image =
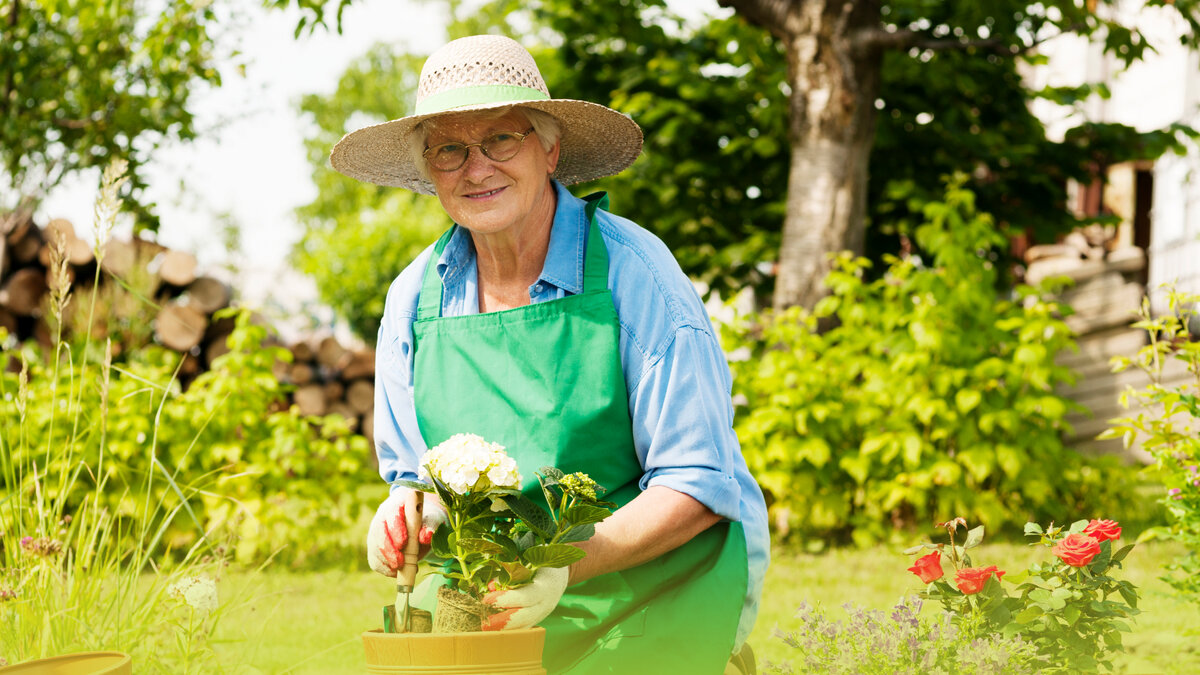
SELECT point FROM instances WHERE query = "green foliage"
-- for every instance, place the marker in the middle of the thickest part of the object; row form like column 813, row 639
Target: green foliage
column 898, row 642
column 498, row 537
column 358, row 236
column 83, row 560
column 1071, row 609
column 1167, row 422
column 280, row 481
column 713, row 99
column 712, row 179
column 928, row 396
column 85, row 81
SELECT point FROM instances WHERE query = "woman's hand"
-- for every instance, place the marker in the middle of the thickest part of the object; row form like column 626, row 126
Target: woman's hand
column 388, row 533
column 526, row 606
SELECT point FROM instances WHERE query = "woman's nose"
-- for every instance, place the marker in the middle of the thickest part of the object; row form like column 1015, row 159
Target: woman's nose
column 478, row 165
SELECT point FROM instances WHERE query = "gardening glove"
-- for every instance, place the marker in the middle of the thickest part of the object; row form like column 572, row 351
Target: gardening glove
column 388, row 533
column 526, row 606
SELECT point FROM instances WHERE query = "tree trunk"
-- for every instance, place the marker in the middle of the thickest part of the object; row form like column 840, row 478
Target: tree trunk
column 834, row 81
column 831, row 131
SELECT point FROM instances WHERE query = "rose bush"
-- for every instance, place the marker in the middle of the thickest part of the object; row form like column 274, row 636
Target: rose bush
column 1071, row 609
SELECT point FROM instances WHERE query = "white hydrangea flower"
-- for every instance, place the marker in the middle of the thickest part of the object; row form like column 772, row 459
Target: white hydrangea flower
column 466, row 462
column 198, row 592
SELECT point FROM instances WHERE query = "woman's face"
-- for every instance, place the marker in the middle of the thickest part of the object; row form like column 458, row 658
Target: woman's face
column 490, row 197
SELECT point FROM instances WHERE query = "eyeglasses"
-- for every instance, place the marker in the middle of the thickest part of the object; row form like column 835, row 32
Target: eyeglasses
column 499, row 147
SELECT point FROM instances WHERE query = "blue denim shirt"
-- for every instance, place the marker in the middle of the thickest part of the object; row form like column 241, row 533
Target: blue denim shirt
column 675, row 372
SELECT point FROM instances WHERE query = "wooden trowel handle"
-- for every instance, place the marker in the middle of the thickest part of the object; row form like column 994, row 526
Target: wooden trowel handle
column 413, row 507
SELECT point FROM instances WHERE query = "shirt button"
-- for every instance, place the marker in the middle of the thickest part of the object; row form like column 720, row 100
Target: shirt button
column 537, row 288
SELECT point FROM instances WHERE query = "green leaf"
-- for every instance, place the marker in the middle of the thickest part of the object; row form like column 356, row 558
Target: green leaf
column 581, row 514
column 1128, row 593
column 552, row 497
column 578, row 533
column 966, row 400
column 440, row 546
column 552, row 475
column 552, row 555
column 532, row 515
column 1028, row 614
column 483, row 546
column 444, row 493
column 525, row 540
column 1033, row 529
column 415, row 485
column 974, row 537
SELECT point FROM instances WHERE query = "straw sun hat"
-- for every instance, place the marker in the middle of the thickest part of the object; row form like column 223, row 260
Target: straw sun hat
column 485, row 72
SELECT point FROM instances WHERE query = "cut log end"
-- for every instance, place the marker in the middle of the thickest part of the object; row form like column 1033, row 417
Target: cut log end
column 180, row 327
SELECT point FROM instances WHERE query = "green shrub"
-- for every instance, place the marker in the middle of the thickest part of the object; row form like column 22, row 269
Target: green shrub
column 929, row 398
column 1168, row 422
column 283, row 482
column 81, row 565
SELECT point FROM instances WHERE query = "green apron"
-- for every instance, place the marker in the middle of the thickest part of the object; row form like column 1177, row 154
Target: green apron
column 545, row 381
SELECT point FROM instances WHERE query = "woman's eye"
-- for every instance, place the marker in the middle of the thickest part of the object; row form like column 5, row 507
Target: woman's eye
column 449, row 148
column 500, row 138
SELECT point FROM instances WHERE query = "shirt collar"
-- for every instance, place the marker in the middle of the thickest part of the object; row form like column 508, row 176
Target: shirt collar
column 564, row 256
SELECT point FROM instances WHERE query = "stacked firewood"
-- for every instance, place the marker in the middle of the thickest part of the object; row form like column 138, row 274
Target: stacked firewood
column 331, row 379
column 146, row 293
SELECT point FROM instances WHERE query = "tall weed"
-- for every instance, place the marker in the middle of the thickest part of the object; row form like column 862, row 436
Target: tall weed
column 82, row 561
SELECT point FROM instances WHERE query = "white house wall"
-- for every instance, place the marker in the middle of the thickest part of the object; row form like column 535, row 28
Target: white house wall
column 1159, row 91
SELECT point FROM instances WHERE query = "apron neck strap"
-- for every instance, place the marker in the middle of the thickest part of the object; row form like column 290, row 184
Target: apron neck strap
column 429, row 303
column 595, row 266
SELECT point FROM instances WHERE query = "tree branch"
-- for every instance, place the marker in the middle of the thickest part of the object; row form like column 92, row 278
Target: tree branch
column 878, row 38
column 769, row 14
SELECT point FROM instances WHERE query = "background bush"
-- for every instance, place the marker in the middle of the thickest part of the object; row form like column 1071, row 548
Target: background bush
column 928, row 398
column 281, row 482
column 1165, row 416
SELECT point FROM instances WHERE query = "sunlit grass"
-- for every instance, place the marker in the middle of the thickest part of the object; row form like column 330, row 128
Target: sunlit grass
column 311, row 622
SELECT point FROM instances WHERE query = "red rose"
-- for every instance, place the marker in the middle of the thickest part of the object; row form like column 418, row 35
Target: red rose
column 1076, row 550
column 971, row 579
column 928, row 567
column 1103, row 530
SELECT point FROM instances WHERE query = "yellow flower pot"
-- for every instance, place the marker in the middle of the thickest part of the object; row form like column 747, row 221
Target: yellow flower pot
column 512, row 652
column 82, row 663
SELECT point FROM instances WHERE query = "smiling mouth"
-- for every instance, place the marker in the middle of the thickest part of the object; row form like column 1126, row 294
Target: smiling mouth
column 482, row 195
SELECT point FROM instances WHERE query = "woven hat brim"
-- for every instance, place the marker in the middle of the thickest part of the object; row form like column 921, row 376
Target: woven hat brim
column 596, row 141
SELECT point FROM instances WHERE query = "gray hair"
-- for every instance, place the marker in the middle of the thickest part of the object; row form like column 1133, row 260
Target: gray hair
column 545, row 125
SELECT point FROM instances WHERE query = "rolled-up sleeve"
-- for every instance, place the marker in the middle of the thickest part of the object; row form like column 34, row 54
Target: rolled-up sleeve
column 398, row 441
column 683, row 422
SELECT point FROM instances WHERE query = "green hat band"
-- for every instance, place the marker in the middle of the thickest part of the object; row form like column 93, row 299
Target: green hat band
column 483, row 94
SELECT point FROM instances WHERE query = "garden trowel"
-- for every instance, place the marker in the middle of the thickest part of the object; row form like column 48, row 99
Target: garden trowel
column 406, row 577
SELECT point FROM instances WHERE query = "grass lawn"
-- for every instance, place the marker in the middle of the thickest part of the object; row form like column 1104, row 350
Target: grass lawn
column 311, row 622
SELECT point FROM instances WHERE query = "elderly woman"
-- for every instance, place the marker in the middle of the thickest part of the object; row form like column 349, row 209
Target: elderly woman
column 571, row 336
